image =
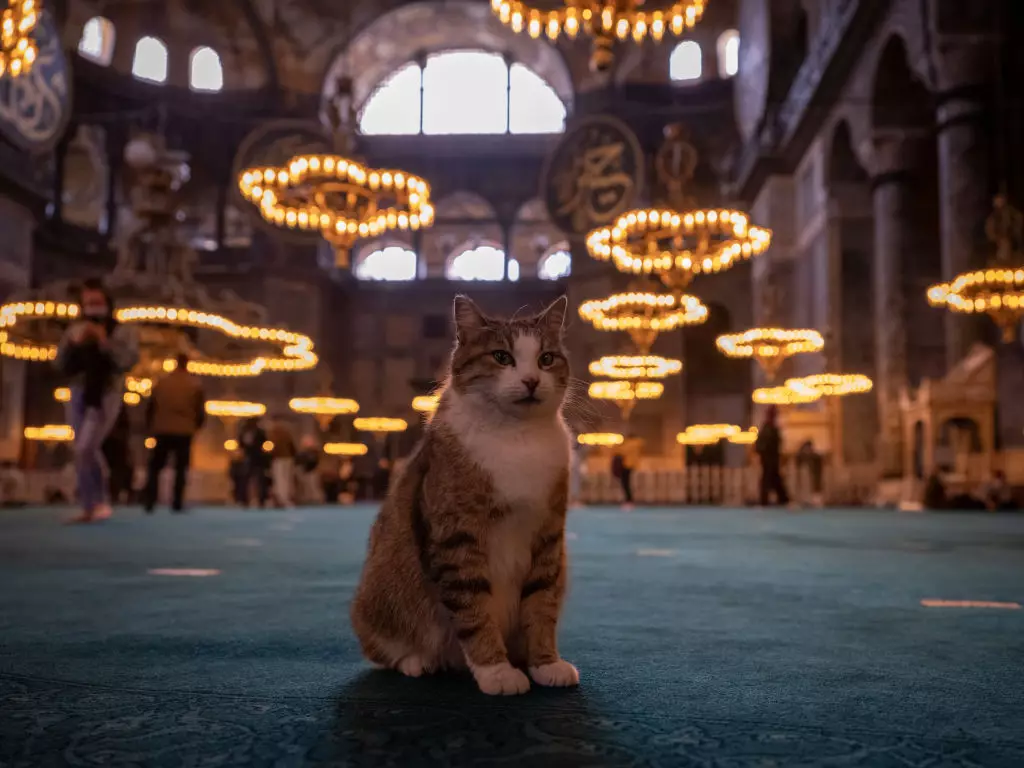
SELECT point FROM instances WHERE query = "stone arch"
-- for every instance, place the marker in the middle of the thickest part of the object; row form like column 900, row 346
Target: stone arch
column 533, row 236
column 404, row 34
column 900, row 101
column 461, row 217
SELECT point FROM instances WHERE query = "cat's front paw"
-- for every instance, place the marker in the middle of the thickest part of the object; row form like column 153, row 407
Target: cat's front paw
column 558, row 674
column 501, row 680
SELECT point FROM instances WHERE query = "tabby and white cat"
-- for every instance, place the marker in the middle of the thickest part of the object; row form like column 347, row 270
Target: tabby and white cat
column 466, row 563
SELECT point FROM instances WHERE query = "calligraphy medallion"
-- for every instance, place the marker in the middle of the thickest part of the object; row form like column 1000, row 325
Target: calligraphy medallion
column 593, row 176
column 35, row 107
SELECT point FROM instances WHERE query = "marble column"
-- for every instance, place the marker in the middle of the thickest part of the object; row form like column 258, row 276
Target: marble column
column 16, row 225
column 965, row 183
column 893, row 205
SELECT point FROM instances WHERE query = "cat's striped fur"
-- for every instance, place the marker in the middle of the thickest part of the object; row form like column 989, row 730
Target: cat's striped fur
column 466, row 563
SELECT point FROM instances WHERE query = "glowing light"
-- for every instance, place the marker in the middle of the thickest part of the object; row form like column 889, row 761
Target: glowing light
column 747, row 437
column 18, row 49
column 997, row 292
column 786, row 395
column 380, row 424
column 635, row 367
column 345, row 449
column 643, row 315
column 323, row 406
column 833, row 384
column 150, row 443
column 707, row 434
column 770, row 346
column 425, row 403
column 235, row 408
column 626, row 390
column 50, row 433
column 678, row 246
column 602, row 19
column 62, row 394
column 268, row 446
column 231, row 445
column 297, row 352
column 338, row 198
column 600, row 438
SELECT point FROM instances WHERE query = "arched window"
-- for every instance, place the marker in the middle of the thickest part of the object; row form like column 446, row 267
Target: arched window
column 485, row 262
column 728, row 53
column 513, row 270
column 97, row 43
column 393, row 262
column 205, row 70
column 463, row 92
column 150, row 61
column 685, row 62
column 555, row 265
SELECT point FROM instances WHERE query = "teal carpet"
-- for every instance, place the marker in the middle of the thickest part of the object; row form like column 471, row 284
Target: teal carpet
column 705, row 637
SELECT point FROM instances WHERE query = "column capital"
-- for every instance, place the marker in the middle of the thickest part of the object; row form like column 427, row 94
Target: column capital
column 895, row 154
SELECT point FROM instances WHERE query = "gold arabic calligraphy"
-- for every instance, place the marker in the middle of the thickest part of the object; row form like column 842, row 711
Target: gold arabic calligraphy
column 592, row 188
column 33, row 105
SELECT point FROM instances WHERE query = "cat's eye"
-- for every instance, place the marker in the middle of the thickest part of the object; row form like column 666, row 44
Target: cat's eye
column 546, row 360
column 503, row 357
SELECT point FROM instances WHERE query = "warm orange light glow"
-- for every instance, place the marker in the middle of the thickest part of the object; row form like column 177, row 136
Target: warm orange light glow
column 635, row 367
column 997, row 292
column 51, row 433
column 18, row 47
column 346, row 449
column 748, row 437
column 231, row 445
column 770, row 346
column 600, row 438
column 677, row 245
column 425, row 403
column 626, row 390
column 323, row 406
column 62, row 394
column 933, row 603
column 150, row 443
column 707, row 434
column 798, row 394
column 380, row 424
column 296, row 350
column 234, row 408
column 268, row 446
column 833, row 384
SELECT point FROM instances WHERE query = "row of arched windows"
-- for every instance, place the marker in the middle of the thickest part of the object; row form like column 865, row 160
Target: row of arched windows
column 687, row 60
column 205, row 72
column 453, row 92
column 481, row 262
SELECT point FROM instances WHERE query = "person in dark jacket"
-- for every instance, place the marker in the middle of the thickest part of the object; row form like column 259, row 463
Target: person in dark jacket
column 95, row 353
column 177, row 409
column 769, row 449
column 251, row 439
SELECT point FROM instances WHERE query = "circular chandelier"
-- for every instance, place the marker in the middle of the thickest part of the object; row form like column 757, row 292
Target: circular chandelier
column 325, row 409
column 50, row 433
column 999, row 293
column 345, row 449
column 797, row 394
column 833, row 384
column 635, row 367
column 604, row 20
column 340, row 198
column 380, row 425
column 643, row 314
column 18, row 50
column 625, row 393
column 600, row 438
column 295, row 351
column 707, row 434
column 746, row 437
column 770, row 346
column 678, row 246
column 235, row 409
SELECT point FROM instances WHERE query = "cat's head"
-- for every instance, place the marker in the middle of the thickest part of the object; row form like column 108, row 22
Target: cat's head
column 517, row 366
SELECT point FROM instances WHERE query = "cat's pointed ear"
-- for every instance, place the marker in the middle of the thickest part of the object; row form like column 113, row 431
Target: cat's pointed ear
column 469, row 320
column 552, row 319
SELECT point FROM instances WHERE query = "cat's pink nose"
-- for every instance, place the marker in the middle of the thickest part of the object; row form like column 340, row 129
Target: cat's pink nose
column 531, row 383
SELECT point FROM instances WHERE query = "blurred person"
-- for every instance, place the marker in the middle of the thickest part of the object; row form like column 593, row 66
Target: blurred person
column 251, row 437
column 329, row 471
column 118, row 455
column 347, row 483
column 769, row 448
column 629, row 459
column 381, row 478
column 282, row 463
column 997, row 494
column 237, row 476
column 307, row 462
column 175, row 412
column 95, row 352
column 809, row 458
